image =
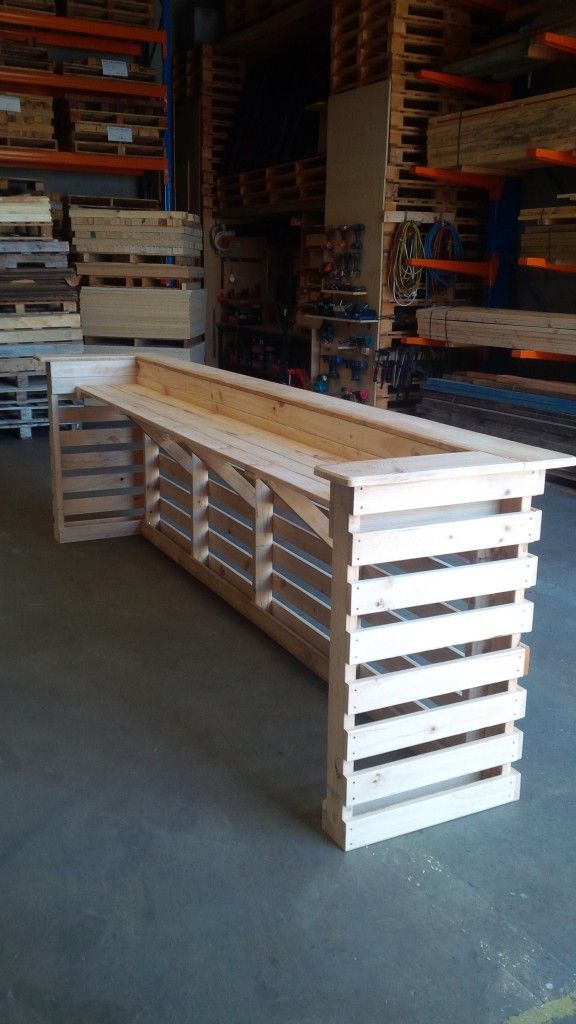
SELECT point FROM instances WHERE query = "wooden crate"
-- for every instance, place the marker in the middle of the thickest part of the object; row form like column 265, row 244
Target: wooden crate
column 399, row 575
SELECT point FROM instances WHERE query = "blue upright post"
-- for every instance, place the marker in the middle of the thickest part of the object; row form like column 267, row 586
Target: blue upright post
column 167, row 81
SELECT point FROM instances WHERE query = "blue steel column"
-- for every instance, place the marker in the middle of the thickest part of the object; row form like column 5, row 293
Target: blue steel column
column 167, row 72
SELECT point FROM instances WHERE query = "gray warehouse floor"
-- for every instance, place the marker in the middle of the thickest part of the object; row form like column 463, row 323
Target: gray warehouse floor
column 162, row 770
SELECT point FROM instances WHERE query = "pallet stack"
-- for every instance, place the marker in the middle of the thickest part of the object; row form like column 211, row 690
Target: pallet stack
column 129, row 12
column 300, row 183
column 41, row 6
column 119, row 125
column 373, row 40
column 38, row 308
column 142, row 275
column 27, row 121
column 207, row 87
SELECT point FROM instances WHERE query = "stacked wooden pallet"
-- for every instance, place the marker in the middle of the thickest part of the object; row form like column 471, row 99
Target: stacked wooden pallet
column 147, row 249
column 42, row 6
column 499, row 328
column 20, row 55
column 26, row 121
column 209, row 86
column 23, row 397
column 130, row 12
column 549, row 232
column 501, row 135
column 299, row 184
column 241, row 13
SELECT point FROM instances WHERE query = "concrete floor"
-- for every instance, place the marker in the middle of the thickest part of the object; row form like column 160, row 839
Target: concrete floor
column 161, row 779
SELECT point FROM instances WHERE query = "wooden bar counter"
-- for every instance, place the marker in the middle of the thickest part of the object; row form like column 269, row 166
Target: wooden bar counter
column 387, row 553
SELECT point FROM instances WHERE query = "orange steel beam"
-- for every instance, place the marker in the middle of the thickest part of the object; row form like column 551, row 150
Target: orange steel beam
column 81, row 26
column 72, row 42
column 552, row 156
column 496, row 90
column 486, row 269
column 553, row 357
column 540, row 263
column 493, row 183
column 426, row 342
column 566, row 44
column 49, row 84
column 97, row 163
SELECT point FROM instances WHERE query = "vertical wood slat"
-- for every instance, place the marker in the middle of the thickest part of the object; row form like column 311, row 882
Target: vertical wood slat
column 263, row 545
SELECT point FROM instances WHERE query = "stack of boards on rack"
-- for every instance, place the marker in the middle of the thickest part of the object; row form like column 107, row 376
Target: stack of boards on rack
column 141, row 274
column 38, row 308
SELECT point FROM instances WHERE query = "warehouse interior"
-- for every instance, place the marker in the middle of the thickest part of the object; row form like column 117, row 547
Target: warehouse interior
column 285, row 291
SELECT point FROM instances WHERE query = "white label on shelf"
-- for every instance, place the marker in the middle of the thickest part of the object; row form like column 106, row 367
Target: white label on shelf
column 116, row 68
column 11, row 103
column 118, row 133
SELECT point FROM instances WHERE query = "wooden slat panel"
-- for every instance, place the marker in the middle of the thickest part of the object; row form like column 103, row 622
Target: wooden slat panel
column 105, row 435
column 302, row 599
column 102, row 460
column 175, row 536
column 90, row 414
column 494, row 487
column 230, row 552
column 445, row 538
column 382, row 691
column 230, row 526
column 417, row 635
column 302, row 538
column 109, row 503
column 169, row 468
column 300, row 626
column 175, row 494
column 228, row 573
column 413, row 589
column 228, row 499
column 101, row 482
column 309, row 574
column 412, row 815
column 410, row 730
column 437, row 766
column 172, row 514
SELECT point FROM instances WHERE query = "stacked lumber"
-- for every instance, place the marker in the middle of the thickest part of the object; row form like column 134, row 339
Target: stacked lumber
column 129, row 12
column 529, row 411
column 209, row 87
column 144, row 313
column 26, row 121
column 499, row 328
column 501, row 135
column 549, row 232
column 124, row 256
column 23, row 56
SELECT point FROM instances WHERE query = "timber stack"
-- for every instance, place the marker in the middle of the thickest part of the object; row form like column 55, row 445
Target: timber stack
column 549, row 232
column 499, row 328
column 38, row 308
column 142, row 275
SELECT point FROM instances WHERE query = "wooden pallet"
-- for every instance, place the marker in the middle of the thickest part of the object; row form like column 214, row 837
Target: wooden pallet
column 398, row 576
column 111, row 202
column 130, row 12
column 138, row 271
column 137, row 148
column 42, row 6
column 32, row 58
column 301, row 182
column 92, row 66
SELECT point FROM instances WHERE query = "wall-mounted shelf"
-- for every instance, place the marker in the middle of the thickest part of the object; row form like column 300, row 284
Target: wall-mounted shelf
column 552, row 156
column 565, row 44
column 492, row 183
column 464, row 83
column 540, row 263
column 485, row 269
column 95, row 163
column 46, row 83
column 71, row 42
column 61, row 30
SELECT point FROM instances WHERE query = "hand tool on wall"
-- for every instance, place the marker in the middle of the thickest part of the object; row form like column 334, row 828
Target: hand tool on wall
column 356, row 367
column 333, row 362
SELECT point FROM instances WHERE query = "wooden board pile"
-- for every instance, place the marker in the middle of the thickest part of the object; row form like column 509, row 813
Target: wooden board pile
column 121, row 125
column 130, row 12
column 529, row 411
column 26, row 121
column 501, row 135
column 20, row 55
column 208, row 88
column 499, row 328
column 128, row 248
column 549, row 232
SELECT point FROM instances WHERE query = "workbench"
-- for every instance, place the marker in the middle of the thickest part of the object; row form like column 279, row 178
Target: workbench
column 387, row 553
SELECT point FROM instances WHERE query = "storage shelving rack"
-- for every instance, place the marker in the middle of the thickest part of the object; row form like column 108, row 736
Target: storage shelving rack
column 95, row 36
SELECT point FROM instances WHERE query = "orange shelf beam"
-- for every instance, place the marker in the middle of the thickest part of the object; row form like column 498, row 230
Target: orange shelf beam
column 486, row 269
column 463, row 83
column 71, row 41
column 566, row 44
column 48, row 84
column 425, row 342
column 553, row 357
column 95, row 163
column 493, row 183
column 539, row 263
column 80, row 26
column 553, row 156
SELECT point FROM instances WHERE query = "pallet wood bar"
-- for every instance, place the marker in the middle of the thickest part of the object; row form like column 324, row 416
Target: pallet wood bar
column 499, row 328
column 397, row 575
column 501, row 135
